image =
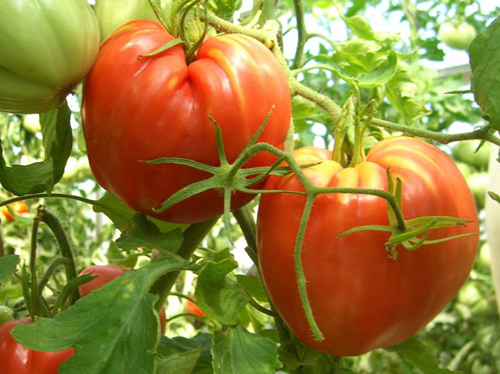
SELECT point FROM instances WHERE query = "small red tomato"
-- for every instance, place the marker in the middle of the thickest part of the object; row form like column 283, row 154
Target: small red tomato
column 103, row 273
column 194, row 309
column 18, row 207
column 17, row 359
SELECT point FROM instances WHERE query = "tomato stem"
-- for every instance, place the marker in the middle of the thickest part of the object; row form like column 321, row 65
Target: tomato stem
column 64, row 246
column 193, row 236
column 299, row 269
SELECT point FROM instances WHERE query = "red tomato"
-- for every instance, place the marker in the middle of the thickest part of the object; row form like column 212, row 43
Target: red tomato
column 194, row 309
column 360, row 297
column 137, row 109
column 18, row 207
column 16, row 359
column 105, row 274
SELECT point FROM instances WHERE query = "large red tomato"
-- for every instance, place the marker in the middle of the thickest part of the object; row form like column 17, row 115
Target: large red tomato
column 16, row 359
column 137, row 109
column 362, row 298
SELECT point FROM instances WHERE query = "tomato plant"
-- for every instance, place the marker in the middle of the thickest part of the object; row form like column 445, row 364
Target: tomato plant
column 18, row 207
column 104, row 274
column 457, row 35
column 138, row 108
column 20, row 360
column 48, row 46
column 362, row 298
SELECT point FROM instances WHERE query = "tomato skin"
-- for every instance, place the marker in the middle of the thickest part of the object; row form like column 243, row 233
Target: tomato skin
column 47, row 46
column 17, row 359
column 194, row 309
column 138, row 109
column 103, row 273
column 361, row 298
column 19, row 207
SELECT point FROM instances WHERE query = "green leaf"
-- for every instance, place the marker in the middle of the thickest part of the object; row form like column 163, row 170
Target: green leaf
column 217, row 294
column 183, row 353
column 8, row 265
column 420, row 356
column 253, row 285
column 237, row 351
column 484, row 54
column 122, row 216
column 144, row 233
column 382, row 74
column 114, row 329
column 402, row 91
column 43, row 175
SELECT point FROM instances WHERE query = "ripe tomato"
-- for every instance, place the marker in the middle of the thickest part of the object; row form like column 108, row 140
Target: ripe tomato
column 360, row 297
column 105, row 274
column 137, row 109
column 194, row 309
column 15, row 358
column 47, row 47
column 18, row 207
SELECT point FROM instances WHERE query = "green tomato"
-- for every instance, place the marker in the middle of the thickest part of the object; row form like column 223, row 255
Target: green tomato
column 478, row 183
column 47, row 46
column 457, row 35
column 111, row 14
column 6, row 314
column 467, row 151
column 31, row 123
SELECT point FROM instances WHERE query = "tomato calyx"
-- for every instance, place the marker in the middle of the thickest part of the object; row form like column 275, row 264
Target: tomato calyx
column 415, row 232
column 228, row 177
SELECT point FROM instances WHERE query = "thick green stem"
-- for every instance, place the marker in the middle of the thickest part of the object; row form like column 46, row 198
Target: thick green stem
column 299, row 269
column 64, row 246
column 193, row 236
column 298, row 60
column 246, row 221
column 35, row 302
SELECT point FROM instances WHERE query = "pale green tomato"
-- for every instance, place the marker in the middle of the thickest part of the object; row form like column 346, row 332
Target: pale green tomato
column 111, row 14
column 47, row 47
column 31, row 122
column 457, row 35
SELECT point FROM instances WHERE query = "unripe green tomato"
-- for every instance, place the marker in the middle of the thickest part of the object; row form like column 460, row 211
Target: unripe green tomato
column 478, row 183
column 465, row 151
column 47, row 47
column 6, row 314
column 457, row 35
column 111, row 14
column 31, row 123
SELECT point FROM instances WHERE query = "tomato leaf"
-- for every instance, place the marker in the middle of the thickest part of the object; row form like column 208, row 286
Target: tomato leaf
column 179, row 353
column 237, row 351
column 402, row 91
column 8, row 265
column 420, row 356
column 41, row 176
column 144, row 233
column 114, row 329
column 254, row 286
column 484, row 54
column 217, row 294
